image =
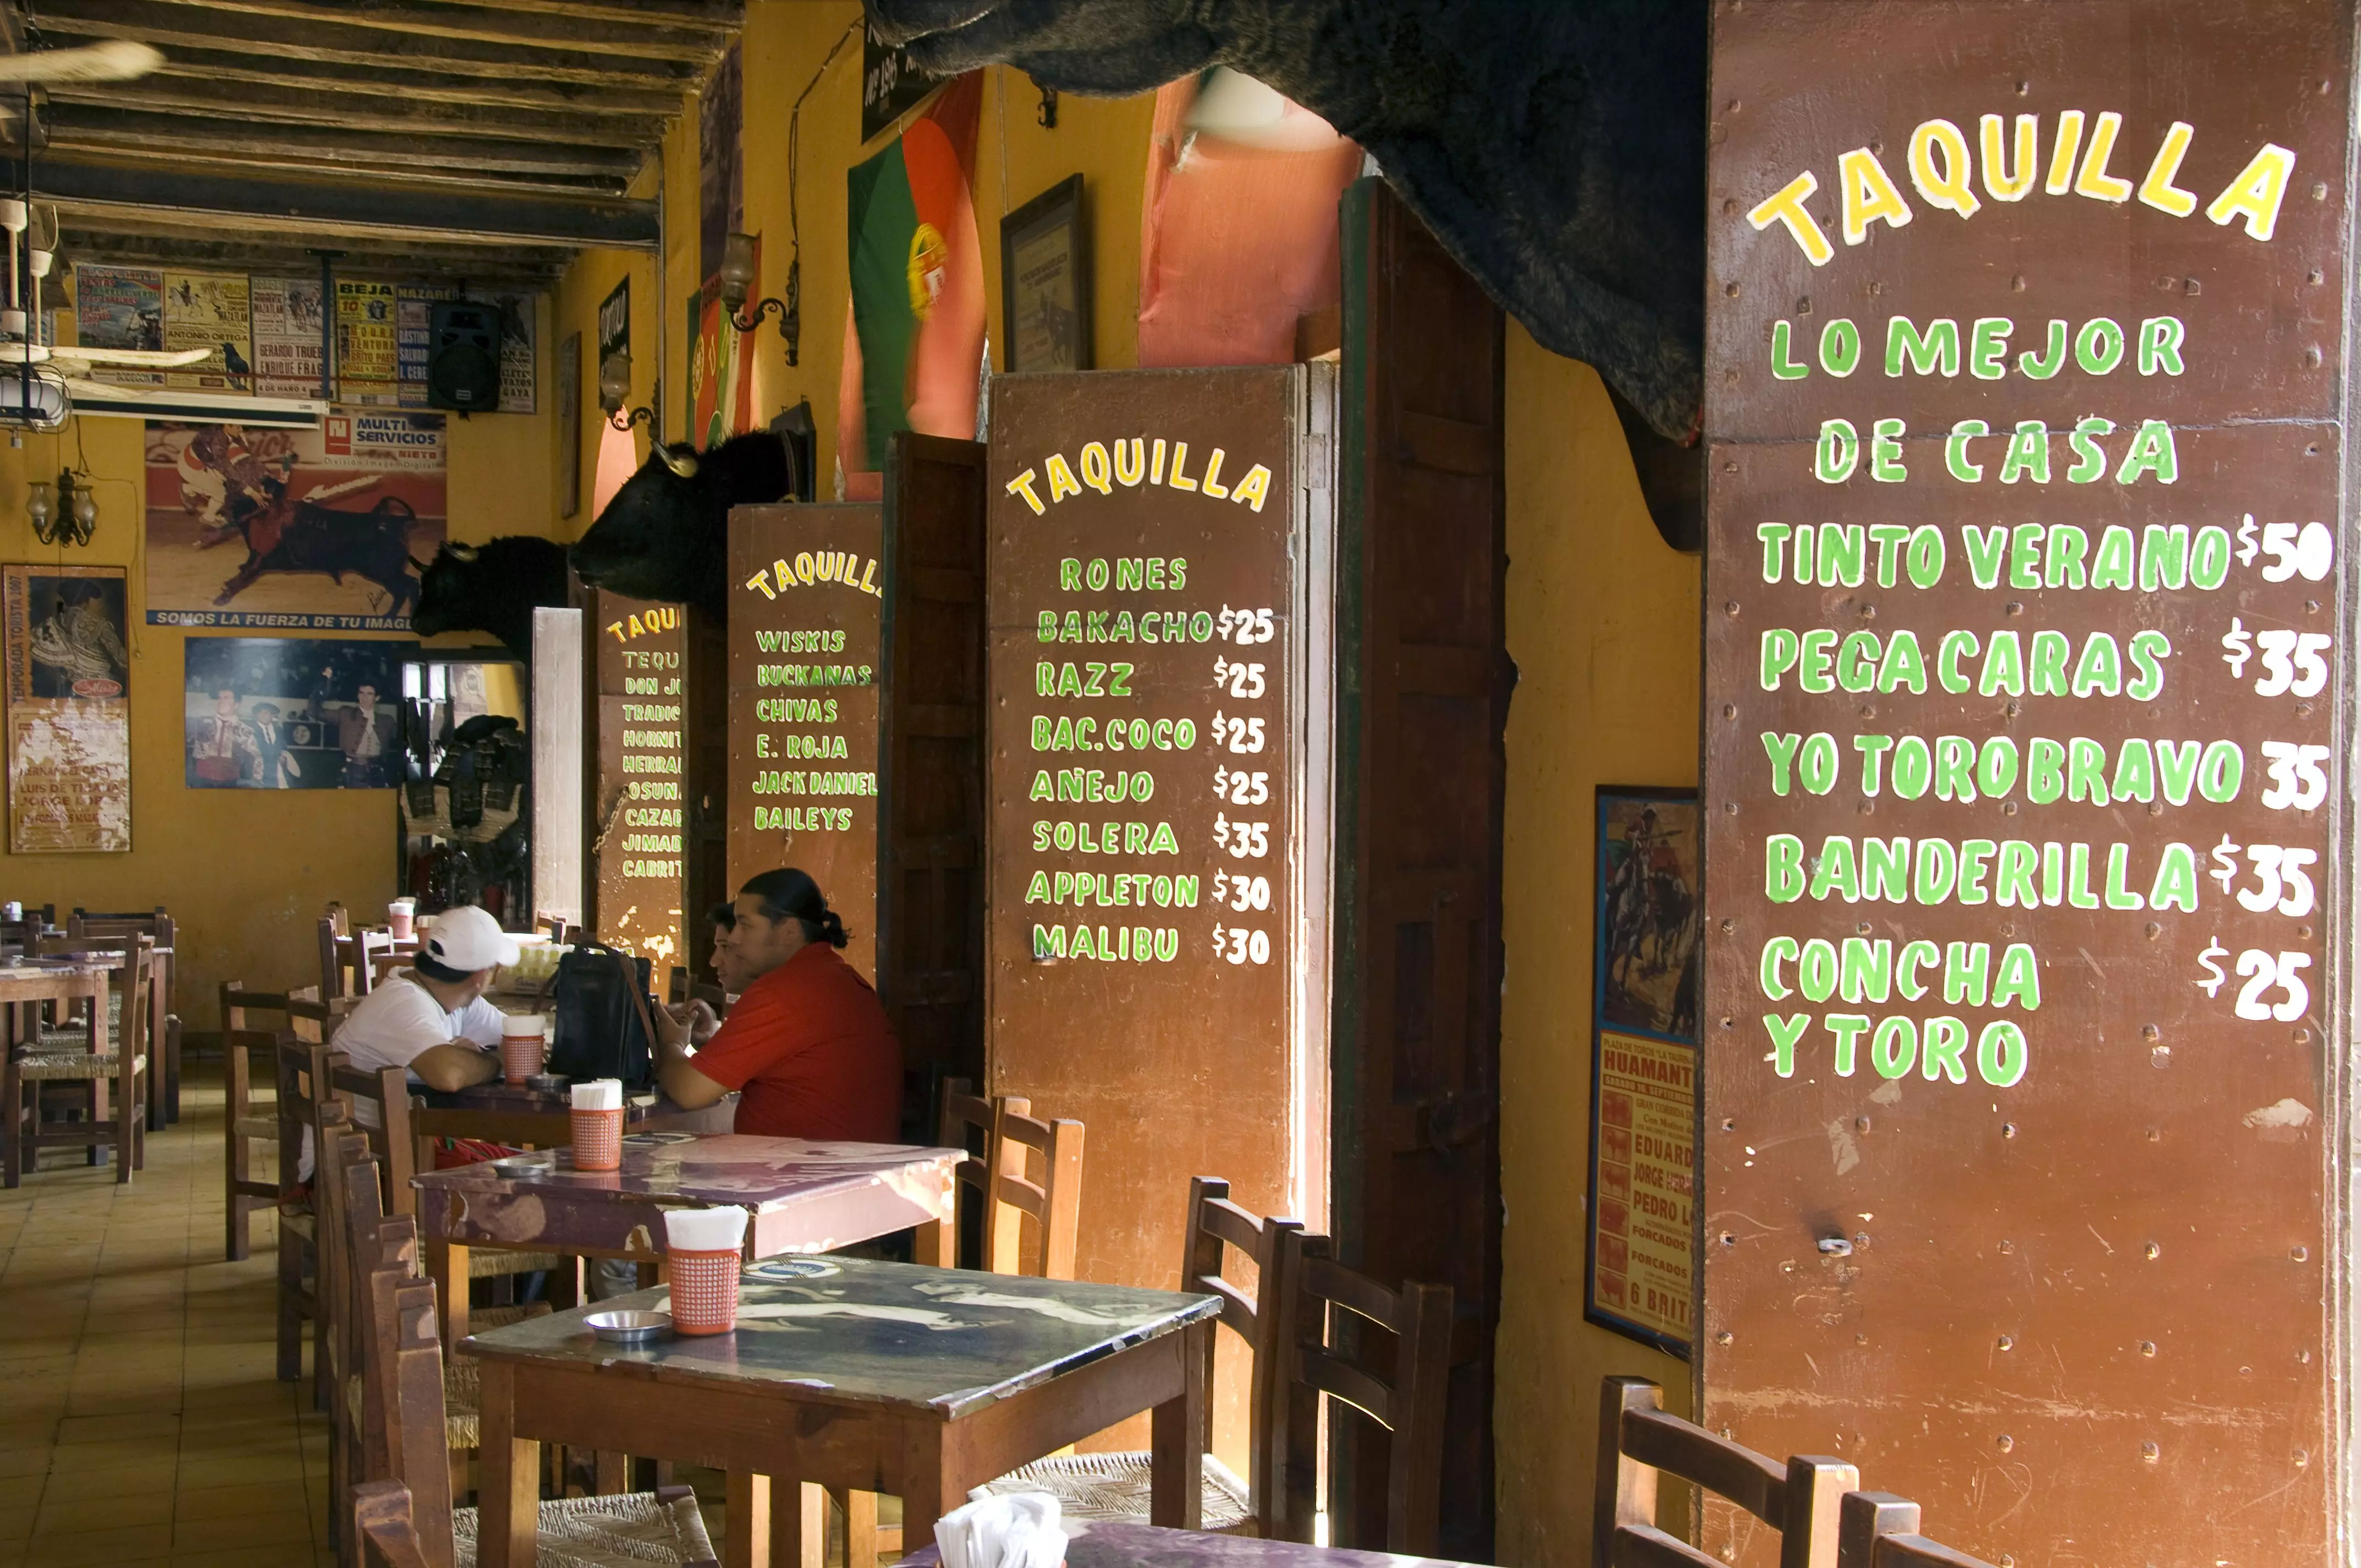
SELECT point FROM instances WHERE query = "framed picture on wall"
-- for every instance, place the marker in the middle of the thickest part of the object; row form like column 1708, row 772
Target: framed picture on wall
column 1045, row 281
column 569, row 426
column 68, row 708
column 1640, row 1230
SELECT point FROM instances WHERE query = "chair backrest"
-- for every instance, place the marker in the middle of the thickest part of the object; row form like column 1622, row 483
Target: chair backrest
column 385, row 1091
column 554, row 924
column 1878, row 1529
column 155, row 924
column 238, row 1000
column 332, row 960
column 966, row 1125
column 338, row 1159
column 127, row 984
column 1326, row 1358
column 1637, row 1439
column 337, row 919
column 303, row 1073
column 1216, row 1225
column 314, row 1021
column 405, row 1368
column 1051, row 1202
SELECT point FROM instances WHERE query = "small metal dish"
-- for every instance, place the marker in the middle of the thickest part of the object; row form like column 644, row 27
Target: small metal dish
column 636, row 1326
column 524, row 1164
column 645, row 1140
column 545, row 1082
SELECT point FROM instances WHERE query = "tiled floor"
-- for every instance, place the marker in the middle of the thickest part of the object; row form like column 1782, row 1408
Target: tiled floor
column 139, row 1418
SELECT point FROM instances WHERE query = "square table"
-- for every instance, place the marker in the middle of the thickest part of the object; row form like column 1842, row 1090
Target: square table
column 1108, row 1543
column 892, row 1378
column 523, row 1117
column 800, row 1195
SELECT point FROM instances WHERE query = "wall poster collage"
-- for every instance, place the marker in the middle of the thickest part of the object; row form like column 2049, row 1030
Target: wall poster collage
column 1640, row 1254
column 266, row 333
column 68, row 708
column 297, row 530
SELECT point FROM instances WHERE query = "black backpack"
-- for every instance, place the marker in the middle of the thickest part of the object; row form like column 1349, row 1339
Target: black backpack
column 604, row 1027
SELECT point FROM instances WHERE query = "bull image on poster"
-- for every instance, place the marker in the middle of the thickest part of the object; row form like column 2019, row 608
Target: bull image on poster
column 317, row 529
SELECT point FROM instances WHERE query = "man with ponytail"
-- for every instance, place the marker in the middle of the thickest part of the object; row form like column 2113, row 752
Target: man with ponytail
column 807, row 1042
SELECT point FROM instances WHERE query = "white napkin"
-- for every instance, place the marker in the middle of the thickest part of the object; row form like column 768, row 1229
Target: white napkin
column 722, row 1229
column 1018, row 1530
column 600, row 1094
column 532, row 1027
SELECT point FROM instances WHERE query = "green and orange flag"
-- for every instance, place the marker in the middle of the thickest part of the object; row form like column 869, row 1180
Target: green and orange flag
column 915, row 347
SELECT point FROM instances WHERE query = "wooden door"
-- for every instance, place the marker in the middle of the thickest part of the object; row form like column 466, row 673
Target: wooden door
column 932, row 762
column 705, row 878
column 1424, row 677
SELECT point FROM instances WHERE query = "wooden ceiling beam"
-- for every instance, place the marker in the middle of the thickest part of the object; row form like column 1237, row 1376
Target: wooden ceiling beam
column 381, row 174
column 657, row 102
column 274, row 105
column 478, row 267
column 141, row 131
column 348, row 207
column 644, row 37
column 725, row 17
column 170, row 26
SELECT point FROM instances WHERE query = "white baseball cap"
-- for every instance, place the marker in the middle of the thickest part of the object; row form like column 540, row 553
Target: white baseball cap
column 469, row 939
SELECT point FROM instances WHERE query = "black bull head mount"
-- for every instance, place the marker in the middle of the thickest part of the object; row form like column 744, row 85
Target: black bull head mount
column 1556, row 147
column 664, row 536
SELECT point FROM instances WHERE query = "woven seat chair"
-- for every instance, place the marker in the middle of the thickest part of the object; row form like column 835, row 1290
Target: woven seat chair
column 1116, row 1486
column 249, row 1045
column 101, row 1055
column 408, row 1517
column 164, row 1031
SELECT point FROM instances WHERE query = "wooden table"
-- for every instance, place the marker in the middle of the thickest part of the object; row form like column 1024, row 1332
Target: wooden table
column 32, row 982
column 1094, row 1543
column 800, row 1197
column 531, row 1118
column 916, row 1382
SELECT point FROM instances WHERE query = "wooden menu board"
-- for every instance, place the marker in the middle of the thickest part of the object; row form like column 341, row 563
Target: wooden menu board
column 806, row 586
column 638, row 813
column 1147, row 674
column 2023, row 649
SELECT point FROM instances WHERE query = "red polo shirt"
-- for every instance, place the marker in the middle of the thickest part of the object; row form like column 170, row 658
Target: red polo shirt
column 810, row 1046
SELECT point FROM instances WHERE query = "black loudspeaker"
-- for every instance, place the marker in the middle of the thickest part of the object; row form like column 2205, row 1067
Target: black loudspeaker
column 463, row 356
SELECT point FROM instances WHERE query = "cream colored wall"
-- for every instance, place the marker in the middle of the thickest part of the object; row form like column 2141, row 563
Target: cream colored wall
column 1603, row 627
column 244, row 873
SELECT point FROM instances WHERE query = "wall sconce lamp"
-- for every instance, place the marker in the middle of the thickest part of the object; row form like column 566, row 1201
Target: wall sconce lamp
column 66, row 513
column 615, row 390
column 737, row 277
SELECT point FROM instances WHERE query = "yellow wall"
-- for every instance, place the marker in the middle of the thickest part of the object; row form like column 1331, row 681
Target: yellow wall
column 1602, row 623
column 1603, row 627
column 1105, row 141
column 244, row 874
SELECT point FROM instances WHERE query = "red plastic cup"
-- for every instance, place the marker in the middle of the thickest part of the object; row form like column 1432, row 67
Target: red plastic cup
column 599, row 1140
column 521, row 1049
column 703, row 1291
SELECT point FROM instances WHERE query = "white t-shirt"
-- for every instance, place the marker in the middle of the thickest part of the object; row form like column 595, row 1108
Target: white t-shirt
column 400, row 1021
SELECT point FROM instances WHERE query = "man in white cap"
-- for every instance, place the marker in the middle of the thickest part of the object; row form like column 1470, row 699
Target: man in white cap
column 432, row 1017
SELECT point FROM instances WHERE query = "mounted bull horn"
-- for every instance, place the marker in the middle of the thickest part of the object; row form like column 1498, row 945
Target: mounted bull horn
column 423, row 566
column 683, row 463
column 461, row 552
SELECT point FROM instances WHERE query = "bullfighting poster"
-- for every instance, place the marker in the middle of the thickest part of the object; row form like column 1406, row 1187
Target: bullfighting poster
column 213, row 311
column 286, row 321
column 288, row 713
column 306, row 529
column 69, row 710
column 1641, row 1277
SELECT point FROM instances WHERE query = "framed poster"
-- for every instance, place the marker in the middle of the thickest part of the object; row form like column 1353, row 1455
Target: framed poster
column 1045, row 281
column 292, row 713
column 69, row 710
column 569, row 425
column 1640, row 1253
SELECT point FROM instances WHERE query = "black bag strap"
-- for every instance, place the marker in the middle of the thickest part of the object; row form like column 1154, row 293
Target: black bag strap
column 639, row 996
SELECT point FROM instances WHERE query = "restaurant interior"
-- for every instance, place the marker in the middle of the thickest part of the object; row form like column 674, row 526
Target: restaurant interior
column 625, row 477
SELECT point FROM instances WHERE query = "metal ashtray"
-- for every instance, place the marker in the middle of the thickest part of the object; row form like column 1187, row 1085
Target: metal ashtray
column 636, row 1326
column 645, row 1140
column 545, row 1082
column 525, row 1164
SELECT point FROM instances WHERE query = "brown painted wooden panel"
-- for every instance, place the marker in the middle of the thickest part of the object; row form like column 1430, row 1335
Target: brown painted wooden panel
column 2052, row 1260
column 930, row 910
column 1118, row 675
column 806, row 585
column 1424, row 669
column 637, row 806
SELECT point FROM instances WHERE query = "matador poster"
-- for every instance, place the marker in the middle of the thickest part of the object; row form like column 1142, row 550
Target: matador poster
column 68, row 708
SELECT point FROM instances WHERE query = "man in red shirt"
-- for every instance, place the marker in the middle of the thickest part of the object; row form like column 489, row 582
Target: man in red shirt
column 808, row 1042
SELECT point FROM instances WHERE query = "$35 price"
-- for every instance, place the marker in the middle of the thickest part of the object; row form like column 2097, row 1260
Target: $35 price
column 1244, row 841
column 2282, row 880
column 2294, row 663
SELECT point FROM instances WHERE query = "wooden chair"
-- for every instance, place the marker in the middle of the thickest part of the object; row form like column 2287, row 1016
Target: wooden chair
column 1638, row 1440
column 1051, row 1204
column 107, row 1064
column 1116, row 1486
column 314, row 1021
column 303, row 1074
column 1327, row 1359
column 247, row 1123
column 164, row 1033
column 1878, row 1529
column 966, row 1125
column 408, row 1518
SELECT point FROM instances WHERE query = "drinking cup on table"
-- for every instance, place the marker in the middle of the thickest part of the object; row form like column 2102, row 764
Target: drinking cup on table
column 702, row 1248
column 598, row 1124
column 523, row 1037
column 398, row 918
